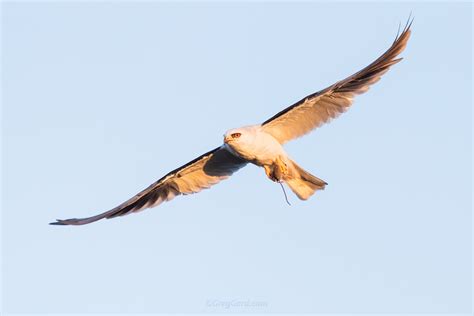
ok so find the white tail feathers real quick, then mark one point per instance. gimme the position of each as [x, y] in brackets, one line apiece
[302, 183]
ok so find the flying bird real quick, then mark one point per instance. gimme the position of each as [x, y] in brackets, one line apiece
[262, 144]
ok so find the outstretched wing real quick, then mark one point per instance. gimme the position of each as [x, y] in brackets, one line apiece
[318, 108]
[201, 173]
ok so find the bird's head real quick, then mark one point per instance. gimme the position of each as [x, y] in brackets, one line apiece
[239, 138]
[234, 135]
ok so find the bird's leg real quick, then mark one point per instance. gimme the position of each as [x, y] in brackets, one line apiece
[269, 172]
[276, 171]
[280, 169]
[281, 165]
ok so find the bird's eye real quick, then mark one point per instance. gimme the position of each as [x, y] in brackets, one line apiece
[235, 135]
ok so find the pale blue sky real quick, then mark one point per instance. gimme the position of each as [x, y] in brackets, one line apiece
[101, 99]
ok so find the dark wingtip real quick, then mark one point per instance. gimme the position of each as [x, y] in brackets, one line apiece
[71, 221]
[58, 222]
[79, 221]
[409, 22]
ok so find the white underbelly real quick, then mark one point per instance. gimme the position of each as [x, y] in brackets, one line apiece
[263, 150]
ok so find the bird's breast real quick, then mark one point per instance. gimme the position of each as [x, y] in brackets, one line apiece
[262, 149]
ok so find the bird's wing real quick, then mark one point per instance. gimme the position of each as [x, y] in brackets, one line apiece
[318, 108]
[201, 173]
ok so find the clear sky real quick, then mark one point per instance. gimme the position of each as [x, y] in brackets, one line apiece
[101, 99]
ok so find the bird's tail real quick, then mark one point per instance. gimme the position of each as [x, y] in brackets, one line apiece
[302, 183]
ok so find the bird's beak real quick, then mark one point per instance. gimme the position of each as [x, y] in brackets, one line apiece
[227, 139]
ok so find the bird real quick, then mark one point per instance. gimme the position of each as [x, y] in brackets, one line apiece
[262, 144]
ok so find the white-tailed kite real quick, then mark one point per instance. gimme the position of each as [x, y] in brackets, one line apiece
[262, 144]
